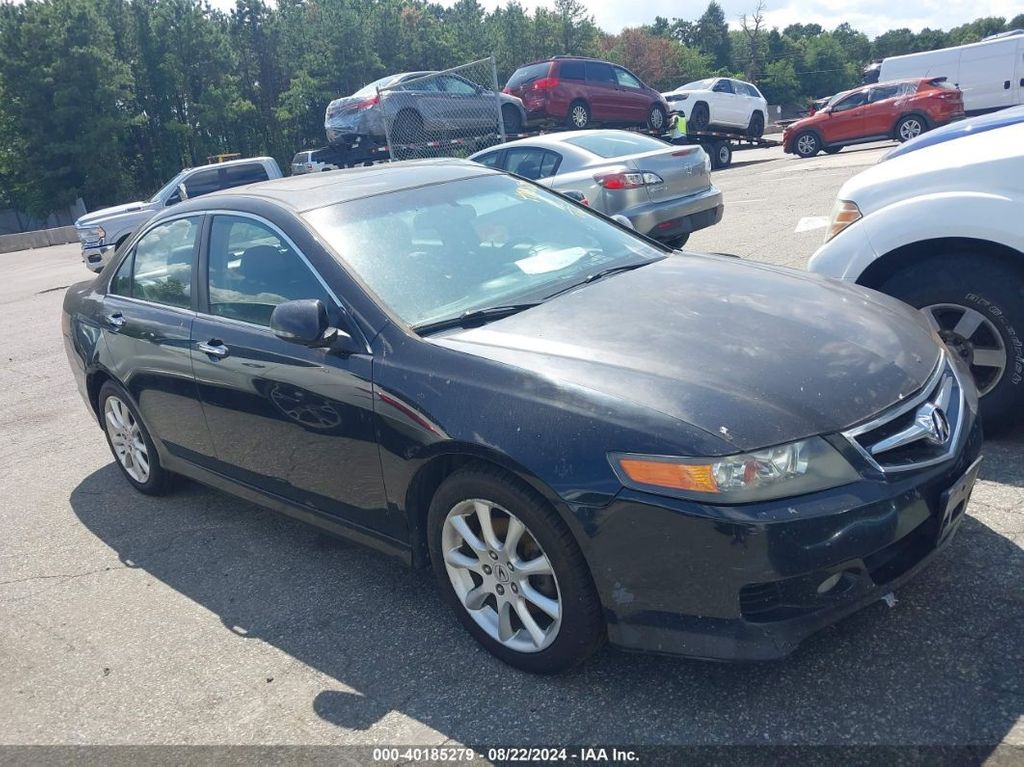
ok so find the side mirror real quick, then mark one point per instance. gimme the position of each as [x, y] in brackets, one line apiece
[576, 196]
[622, 220]
[305, 322]
[182, 191]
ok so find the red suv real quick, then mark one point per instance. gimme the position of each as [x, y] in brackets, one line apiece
[897, 110]
[579, 91]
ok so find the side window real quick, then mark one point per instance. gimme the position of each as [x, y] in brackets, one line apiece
[600, 73]
[625, 79]
[252, 269]
[162, 263]
[250, 173]
[907, 89]
[549, 165]
[883, 92]
[525, 162]
[852, 101]
[457, 86]
[723, 86]
[572, 70]
[490, 160]
[121, 285]
[203, 182]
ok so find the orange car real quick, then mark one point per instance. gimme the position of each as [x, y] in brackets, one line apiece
[897, 110]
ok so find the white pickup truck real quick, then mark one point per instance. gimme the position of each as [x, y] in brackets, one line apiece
[102, 232]
[940, 225]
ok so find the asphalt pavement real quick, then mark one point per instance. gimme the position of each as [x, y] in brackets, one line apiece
[199, 618]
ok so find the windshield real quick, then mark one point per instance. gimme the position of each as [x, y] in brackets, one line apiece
[697, 85]
[617, 144]
[441, 251]
[167, 189]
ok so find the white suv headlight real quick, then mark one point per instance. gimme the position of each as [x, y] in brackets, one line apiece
[844, 213]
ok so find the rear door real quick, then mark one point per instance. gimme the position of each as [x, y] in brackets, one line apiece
[148, 314]
[603, 92]
[292, 421]
[885, 107]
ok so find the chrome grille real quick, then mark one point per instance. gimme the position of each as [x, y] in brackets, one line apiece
[920, 432]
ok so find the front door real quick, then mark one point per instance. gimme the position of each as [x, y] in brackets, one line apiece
[288, 420]
[148, 314]
[846, 119]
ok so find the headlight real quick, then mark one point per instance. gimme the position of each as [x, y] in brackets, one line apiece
[775, 472]
[92, 234]
[844, 213]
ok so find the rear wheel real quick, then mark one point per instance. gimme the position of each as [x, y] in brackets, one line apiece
[579, 115]
[910, 127]
[511, 570]
[756, 127]
[408, 127]
[657, 118]
[130, 442]
[678, 243]
[721, 155]
[807, 144]
[976, 304]
[700, 117]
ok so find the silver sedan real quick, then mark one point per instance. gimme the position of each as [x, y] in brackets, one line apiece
[664, 190]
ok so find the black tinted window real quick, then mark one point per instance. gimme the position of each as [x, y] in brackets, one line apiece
[250, 173]
[531, 163]
[572, 70]
[528, 74]
[252, 269]
[851, 102]
[203, 182]
[162, 263]
[490, 160]
[601, 73]
[723, 86]
[122, 282]
[884, 92]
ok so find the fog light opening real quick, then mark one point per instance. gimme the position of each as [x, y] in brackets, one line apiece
[829, 583]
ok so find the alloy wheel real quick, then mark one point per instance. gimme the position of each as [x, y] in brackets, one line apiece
[973, 337]
[910, 128]
[127, 440]
[806, 144]
[579, 116]
[501, 575]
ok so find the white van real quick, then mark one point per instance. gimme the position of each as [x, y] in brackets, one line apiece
[990, 73]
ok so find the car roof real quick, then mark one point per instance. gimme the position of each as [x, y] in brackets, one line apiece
[226, 163]
[317, 190]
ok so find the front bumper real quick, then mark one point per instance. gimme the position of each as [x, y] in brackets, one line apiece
[672, 218]
[95, 255]
[741, 582]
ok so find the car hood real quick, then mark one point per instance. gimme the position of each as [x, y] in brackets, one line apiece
[99, 216]
[754, 355]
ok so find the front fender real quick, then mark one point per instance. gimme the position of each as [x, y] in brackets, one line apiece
[986, 216]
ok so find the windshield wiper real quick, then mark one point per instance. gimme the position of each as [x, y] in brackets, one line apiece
[474, 317]
[597, 276]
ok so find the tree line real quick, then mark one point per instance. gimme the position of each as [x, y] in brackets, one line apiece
[107, 99]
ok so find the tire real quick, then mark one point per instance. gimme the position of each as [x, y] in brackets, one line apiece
[512, 119]
[678, 243]
[578, 629]
[807, 144]
[408, 127]
[833, 149]
[961, 284]
[721, 155]
[657, 119]
[128, 439]
[910, 127]
[756, 127]
[700, 117]
[579, 115]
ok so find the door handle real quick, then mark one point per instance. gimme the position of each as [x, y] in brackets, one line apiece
[214, 347]
[115, 320]
[1006, 85]
[1022, 82]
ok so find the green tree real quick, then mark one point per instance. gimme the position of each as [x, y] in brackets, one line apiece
[711, 36]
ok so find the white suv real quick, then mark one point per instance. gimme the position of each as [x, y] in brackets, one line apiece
[939, 226]
[720, 102]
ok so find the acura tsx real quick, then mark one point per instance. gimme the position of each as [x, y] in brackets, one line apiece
[586, 435]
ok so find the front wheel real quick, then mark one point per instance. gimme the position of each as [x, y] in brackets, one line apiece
[657, 118]
[976, 304]
[807, 145]
[511, 570]
[721, 155]
[130, 443]
[700, 117]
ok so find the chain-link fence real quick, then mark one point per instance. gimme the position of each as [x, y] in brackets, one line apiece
[448, 114]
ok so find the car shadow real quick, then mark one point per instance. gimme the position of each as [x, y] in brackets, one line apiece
[942, 667]
[1003, 461]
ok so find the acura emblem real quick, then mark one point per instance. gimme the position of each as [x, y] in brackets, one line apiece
[933, 421]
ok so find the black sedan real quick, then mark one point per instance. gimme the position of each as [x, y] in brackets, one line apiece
[587, 436]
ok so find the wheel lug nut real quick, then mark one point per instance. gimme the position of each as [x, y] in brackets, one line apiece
[493, 555]
[501, 589]
[515, 589]
[511, 567]
[487, 569]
